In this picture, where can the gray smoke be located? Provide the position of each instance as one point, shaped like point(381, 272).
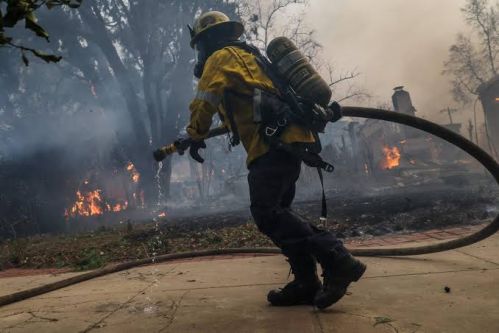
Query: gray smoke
point(393, 42)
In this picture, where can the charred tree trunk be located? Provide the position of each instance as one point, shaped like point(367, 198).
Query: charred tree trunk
point(140, 154)
point(177, 110)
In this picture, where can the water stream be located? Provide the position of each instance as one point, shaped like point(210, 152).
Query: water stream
point(155, 247)
point(158, 183)
point(151, 306)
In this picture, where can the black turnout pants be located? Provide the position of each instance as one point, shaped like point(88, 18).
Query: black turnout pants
point(272, 179)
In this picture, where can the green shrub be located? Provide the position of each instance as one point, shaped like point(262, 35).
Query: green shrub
point(91, 259)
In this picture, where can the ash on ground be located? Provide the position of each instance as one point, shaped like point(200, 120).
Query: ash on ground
point(384, 211)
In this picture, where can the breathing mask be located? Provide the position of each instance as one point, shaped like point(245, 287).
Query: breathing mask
point(201, 57)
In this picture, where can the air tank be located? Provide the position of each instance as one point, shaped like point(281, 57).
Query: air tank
point(294, 67)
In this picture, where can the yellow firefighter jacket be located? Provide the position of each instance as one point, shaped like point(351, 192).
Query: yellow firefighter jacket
point(236, 70)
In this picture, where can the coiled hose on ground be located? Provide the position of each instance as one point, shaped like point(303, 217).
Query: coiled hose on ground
point(485, 159)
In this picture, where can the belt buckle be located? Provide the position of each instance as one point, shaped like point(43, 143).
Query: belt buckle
point(329, 168)
point(270, 131)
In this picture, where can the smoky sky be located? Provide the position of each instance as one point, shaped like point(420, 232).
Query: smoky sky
point(392, 43)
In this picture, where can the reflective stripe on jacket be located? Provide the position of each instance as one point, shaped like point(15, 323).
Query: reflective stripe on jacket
point(236, 70)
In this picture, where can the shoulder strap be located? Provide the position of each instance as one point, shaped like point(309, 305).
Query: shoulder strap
point(263, 62)
point(229, 111)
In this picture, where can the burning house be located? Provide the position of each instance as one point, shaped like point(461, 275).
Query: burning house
point(388, 148)
point(384, 145)
point(378, 144)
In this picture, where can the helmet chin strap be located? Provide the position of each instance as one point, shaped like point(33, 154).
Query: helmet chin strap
point(191, 31)
point(201, 57)
point(198, 70)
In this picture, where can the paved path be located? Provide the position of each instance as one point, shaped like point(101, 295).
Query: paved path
point(228, 295)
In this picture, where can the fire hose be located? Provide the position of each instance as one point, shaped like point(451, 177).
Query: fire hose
point(479, 154)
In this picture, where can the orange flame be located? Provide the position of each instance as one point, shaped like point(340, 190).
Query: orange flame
point(92, 204)
point(120, 206)
point(392, 158)
point(163, 214)
point(133, 172)
point(88, 204)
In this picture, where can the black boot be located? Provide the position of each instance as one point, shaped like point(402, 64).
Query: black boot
point(303, 288)
point(338, 274)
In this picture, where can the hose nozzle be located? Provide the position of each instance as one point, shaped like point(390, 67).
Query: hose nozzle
point(161, 153)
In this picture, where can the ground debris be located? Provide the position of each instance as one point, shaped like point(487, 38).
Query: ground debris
point(364, 217)
point(381, 320)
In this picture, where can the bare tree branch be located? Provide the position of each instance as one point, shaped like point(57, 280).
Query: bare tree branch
point(346, 77)
point(485, 20)
point(355, 95)
point(263, 18)
point(473, 60)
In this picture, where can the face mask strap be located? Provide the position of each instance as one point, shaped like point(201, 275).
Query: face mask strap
point(191, 31)
point(201, 56)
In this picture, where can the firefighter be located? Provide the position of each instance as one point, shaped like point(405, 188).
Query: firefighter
point(228, 74)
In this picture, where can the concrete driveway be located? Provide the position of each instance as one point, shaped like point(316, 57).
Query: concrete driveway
point(229, 295)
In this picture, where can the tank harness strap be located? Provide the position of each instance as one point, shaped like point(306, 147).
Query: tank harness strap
point(235, 139)
point(324, 203)
point(228, 95)
point(311, 159)
point(273, 123)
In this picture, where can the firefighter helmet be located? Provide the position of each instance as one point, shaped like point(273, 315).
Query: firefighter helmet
point(216, 22)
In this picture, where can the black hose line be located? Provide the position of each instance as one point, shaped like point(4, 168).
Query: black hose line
point(485, 159)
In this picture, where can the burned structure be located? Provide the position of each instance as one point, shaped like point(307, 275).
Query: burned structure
point(382, 143)
point(489, 96)
point(402, 101)
point(390, 149)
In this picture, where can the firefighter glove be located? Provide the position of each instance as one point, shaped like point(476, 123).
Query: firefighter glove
point(194, 150)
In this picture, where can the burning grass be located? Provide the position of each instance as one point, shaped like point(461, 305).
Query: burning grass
point(351, 216)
